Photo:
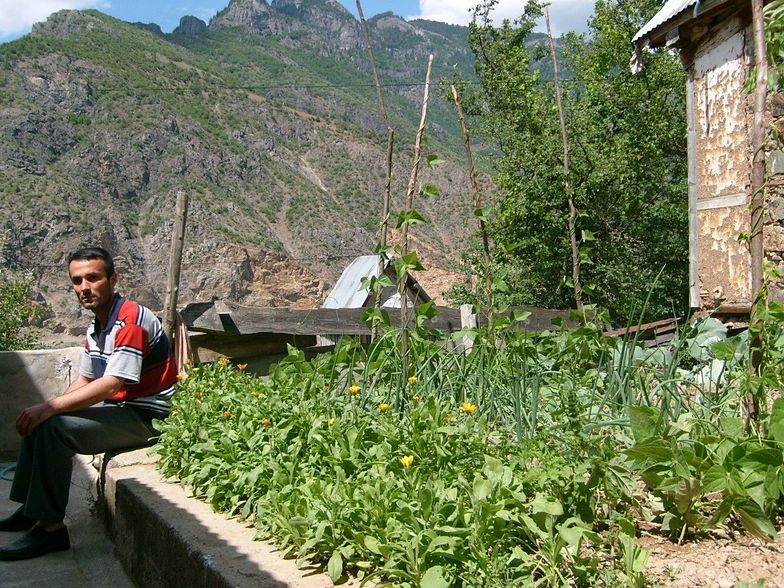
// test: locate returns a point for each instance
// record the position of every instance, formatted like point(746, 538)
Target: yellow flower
point(242, 366)
point(195, 369)
point(331, 421)
point(412, 380)
point(468, 407)
point(223, 360)
point(383, 407)
point(199, 394)
point(450, 417)
point(407, 460)
point(354, 389)
point(266, 422)
point(226, 413)
point(180, 377)
point(417, 397)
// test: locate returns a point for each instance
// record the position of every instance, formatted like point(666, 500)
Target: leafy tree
point(16, 311)
point(628, 165)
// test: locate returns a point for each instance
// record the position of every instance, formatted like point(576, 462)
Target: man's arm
point(78, 383)
point(81, 394)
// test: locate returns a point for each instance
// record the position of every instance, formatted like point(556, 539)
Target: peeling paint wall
point(723, 164)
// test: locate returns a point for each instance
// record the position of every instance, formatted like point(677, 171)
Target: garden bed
point(536, 461)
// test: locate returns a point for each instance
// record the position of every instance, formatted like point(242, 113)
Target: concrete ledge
point(30, 377)
point(165, 538)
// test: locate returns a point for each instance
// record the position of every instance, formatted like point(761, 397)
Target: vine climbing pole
point(758, 133)
point(382, 245)
point(403, 271)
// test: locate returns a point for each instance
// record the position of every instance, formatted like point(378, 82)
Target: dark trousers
point(42, 480)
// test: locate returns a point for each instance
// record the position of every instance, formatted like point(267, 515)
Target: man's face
point(88, 278)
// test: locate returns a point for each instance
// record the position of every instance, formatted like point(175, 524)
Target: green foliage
point(628, 164)
point(515, 465)
point(17, 311)
point(384, 476)
point(774, 38)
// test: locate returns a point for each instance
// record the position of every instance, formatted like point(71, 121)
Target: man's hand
point(33, 416)
point(84, 394)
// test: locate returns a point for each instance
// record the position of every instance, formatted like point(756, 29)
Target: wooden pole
point(175, 264)
point(372, 57)
point(757, 198)
point(390, 147)
point(477, 207)
point(401, 287)
point(572, 220)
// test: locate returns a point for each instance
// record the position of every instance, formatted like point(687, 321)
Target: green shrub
point(17, 310)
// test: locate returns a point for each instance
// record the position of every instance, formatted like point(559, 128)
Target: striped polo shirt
point(133, 347)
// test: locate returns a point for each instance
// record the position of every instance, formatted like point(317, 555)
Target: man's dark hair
point(88, 253)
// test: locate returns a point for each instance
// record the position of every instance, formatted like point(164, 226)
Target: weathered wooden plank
point(650, 334)
point(245, 320)
point(209, 346)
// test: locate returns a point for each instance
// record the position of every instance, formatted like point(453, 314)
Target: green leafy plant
point(524, 462)
point(17, 311)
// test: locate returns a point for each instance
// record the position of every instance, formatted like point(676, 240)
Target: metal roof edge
point(674, 11)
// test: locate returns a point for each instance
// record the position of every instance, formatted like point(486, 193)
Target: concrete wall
point(28, 377)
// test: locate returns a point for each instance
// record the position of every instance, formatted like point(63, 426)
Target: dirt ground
point(724, 560)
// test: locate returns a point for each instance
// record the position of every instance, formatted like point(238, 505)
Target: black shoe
point(35, 543)
point(17, 522)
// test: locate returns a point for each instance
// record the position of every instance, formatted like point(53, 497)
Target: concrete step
point(165, 538)
point(90, 563)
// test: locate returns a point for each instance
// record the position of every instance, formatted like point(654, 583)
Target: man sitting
point(126, 380)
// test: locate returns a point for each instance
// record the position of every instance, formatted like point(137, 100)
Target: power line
point(204, 85)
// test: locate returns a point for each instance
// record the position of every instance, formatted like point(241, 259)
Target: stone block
point(773, 238)
point(775, 163)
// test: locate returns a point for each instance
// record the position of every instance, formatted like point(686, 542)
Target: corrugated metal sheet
point(348, 291)
point(670, 10)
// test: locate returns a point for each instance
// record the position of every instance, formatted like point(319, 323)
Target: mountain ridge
point(278, 142)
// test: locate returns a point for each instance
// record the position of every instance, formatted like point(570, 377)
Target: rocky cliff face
point(102, 122)
point(322, 25)
point(191, 26)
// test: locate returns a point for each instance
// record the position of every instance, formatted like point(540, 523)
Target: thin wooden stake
point(477, 207)
point(175, 265)
point(390, 147)
point(372, 57)
point(572, 220)
point(402, 286)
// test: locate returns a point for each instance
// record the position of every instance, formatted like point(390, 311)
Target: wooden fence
point(226, 328)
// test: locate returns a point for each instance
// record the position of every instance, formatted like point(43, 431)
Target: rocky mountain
point(266, 117)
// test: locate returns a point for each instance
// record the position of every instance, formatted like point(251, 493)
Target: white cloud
point(565, 15)
point(18, 16)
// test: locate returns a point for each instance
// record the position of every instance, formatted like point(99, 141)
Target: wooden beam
point(209, 347)
point(246, 320)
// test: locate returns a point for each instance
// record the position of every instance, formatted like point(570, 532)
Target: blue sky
point(18, 16)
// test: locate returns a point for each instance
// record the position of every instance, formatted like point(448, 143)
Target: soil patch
point(716, 561)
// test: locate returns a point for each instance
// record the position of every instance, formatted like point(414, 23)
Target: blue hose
point(4, 470)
